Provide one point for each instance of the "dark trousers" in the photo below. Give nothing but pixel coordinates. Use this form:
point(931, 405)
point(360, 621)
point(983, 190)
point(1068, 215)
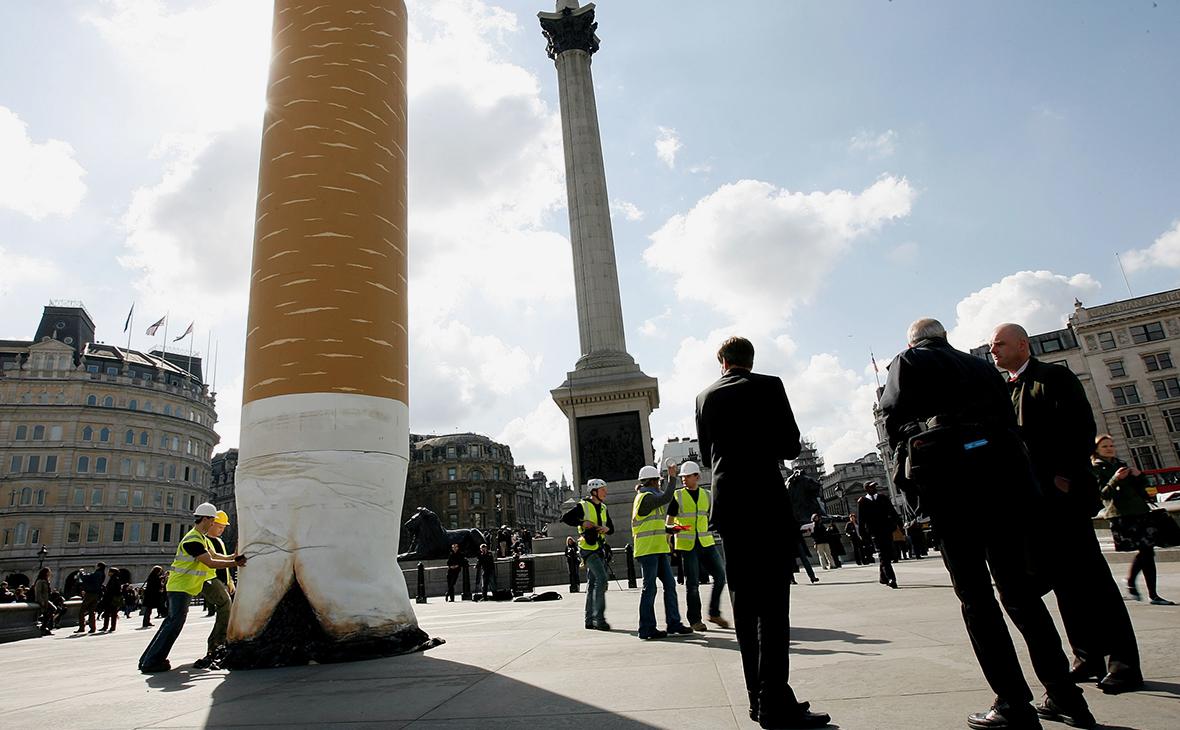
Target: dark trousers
point(884, 545)
point(452, 576)
point(971, 547)
point(1092, 609)
point(760, 591)
point(574, 581)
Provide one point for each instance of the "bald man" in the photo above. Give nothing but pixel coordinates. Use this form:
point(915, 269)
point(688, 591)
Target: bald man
point(1056, 421)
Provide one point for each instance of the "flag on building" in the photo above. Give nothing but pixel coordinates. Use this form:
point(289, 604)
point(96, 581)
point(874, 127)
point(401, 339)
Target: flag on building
point(127, 324)
point(874, 359)
point(187, 332)
point(152, 330)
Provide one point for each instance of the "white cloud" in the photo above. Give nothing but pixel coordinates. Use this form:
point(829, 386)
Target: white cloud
point(874, 145)
point(753, 251)
point(654, 326)
point(1038, 300)
point(27, 270)
point(540, 439)
point(905, 253)
point(37, 179)
point(667, 145)
point(629, 211)
point(1164, 252)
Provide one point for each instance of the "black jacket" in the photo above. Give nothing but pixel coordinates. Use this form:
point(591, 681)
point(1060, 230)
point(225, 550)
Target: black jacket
point(1054, 418)
point(876, 517)
point(745, 429)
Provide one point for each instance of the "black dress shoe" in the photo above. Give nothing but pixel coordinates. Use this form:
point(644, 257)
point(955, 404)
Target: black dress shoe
point(995, 719)
point(1075, 714)
point(803, 718)
point(1084, 672)
point(655, 634)
point(1113, 684)
point(163, 666)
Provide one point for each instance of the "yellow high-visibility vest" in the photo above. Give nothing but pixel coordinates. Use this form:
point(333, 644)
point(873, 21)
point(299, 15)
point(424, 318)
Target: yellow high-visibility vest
point(187, 574)
point(592, 514)
point(695, 514)
point(648, 536)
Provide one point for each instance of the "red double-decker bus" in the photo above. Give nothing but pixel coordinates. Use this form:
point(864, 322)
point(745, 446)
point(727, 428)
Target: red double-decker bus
point(1163, 481)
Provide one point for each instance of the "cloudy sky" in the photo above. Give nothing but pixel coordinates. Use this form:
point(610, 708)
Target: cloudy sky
point(811, 175)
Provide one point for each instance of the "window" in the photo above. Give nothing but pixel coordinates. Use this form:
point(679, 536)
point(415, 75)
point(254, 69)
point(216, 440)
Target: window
point(1106, 341)
point(137, 498)
point(192, 503)
point(496, 473)
point(125, 467)
point(453, 521)
point(1141, 333)
point(170, 500)
point(1157, 361)
point(79, 496)
point(40, 497)
point(144, 439)
point(477, 520)
point(1116, 369)
point(96, 496)
point(451, 472)
point(186, 473)
point(121, 497)
point(92, 400)
point(163, 441)
point(155, 532)
point(1125, 395)
point(1172, 418)
point(476, 475)
point(1051, 344)
point(38, 433)
point(1166, 388)
point(476, 498)
point(134, 536)
point(167, 410)
point(188, 449)
point(172, 471)
point(133, 404)
point(35, 536)
point(74, 533)
point(160, 470)
point(147, 406)
point(1146, 457)
point(55, 433)
point(34, 464)
point(14, 465)
point(141, 468)
point(51, 464)
point(20, 534)
point(129, 437)
point(83, 464)
point(112, 370)
point(92, 532)
point(158, 499)
point(167, 533)
point(87, 434)
point(100, 465)
point(117, 535)
point(104, 435)
point(176, 443)
point(450, 452)
point(1135, 425)
point(108, 402)
point(26, 496)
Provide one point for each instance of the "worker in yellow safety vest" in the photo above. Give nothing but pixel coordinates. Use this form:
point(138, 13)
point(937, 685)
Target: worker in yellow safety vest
point(649, 533)
point(217, 593)
point(194, 564)
point(594, 524)
point(689, 510)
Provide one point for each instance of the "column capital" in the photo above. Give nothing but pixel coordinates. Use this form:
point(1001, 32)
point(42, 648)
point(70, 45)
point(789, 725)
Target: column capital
point(570, 29)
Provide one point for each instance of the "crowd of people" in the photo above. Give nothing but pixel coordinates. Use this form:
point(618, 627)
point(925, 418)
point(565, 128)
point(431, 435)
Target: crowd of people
point(105, 592)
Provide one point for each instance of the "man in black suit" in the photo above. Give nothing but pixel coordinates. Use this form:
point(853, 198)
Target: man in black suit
point(949, 414)
point(1057, 423)
point(745, 428)
point(877, 519)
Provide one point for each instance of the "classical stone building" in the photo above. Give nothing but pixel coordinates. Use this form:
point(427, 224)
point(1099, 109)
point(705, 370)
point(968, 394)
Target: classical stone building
point(1122, 354)
point(845, 483)
point(466, 479)
point(221, 481)
point(682, 450)
point(809, 461)
point(104, 451)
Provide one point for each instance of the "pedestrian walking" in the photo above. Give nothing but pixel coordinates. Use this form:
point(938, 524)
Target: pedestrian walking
point(877, 518)
point(1057, 424)
point(821, 538)
point(960, 460)
point(455, 564)
point(852, 532)
point(153, 595)
point(112, 600)
point(745, 429)
point(41, 593)
point(594, 524)
point(695, 545)
point(194, 564)
point(91, 584)
point(1133, 525)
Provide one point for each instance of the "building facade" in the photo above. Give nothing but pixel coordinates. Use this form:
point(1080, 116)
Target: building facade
point(466, 479)
point(846, 482)
point(809, 461)
point(686, 449)
point(104, 451)
point(221, 482)
point(1122, 354)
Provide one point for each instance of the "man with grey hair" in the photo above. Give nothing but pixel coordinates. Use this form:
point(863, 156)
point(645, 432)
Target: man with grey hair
point(1057, 423)
point(948, 416)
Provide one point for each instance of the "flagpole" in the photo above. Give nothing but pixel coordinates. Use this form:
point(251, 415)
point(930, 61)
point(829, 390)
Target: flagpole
point(130, 326)
point(164, 349)
point(205, 362)
point(214, 390)
point(191, 337)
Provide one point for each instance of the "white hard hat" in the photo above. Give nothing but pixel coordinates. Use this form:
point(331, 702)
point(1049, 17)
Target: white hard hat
point(593, 484)
point(649, 472)
point(689, 467)
point(205, 509)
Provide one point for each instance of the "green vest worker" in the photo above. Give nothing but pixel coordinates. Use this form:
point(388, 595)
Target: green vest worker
point(694, 542)
point(194, 564)
point(594, 524)
point(649, 533)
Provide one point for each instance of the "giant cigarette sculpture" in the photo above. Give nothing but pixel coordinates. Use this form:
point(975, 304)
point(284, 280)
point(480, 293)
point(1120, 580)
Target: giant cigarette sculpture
point(325, 440)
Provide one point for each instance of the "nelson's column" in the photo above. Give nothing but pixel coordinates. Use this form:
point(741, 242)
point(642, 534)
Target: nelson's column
point(606, 397)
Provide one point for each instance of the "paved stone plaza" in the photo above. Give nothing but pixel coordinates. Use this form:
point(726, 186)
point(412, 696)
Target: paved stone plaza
point(872, 657)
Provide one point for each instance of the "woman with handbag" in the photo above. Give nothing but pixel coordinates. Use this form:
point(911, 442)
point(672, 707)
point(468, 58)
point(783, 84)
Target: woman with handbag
point(1134, 525)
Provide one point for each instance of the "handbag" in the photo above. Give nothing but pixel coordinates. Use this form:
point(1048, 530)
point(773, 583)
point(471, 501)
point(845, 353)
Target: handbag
point(1162, 529)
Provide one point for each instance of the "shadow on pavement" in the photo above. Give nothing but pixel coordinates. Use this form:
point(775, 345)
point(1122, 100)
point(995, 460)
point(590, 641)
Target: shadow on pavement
point(803, 633)
point(1162, 688)
point(392, 691)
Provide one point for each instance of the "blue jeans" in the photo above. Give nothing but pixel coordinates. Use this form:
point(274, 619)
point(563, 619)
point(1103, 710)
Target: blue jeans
point(706, 558)
point(657, 566)
point(157, 651)
point(595, 586)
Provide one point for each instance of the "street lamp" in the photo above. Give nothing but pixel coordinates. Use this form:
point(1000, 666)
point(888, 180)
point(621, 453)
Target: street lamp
point(41, 557)
point(843, 498)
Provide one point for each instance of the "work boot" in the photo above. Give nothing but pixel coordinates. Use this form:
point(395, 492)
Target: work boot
point(718, 621)
point(699, 626)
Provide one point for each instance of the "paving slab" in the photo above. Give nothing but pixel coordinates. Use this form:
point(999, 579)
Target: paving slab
point(871, 656)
